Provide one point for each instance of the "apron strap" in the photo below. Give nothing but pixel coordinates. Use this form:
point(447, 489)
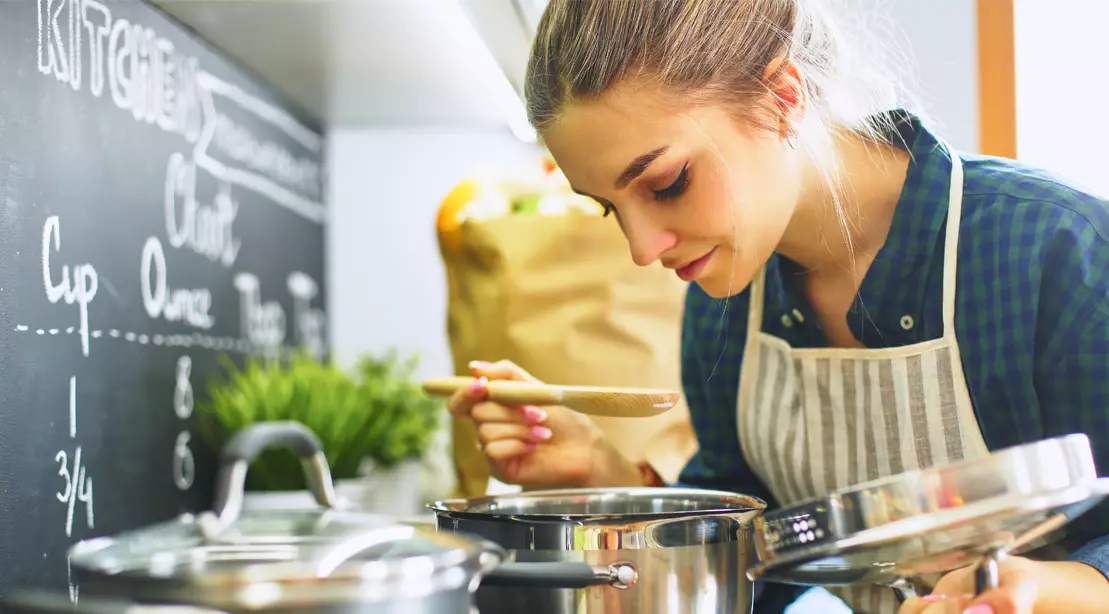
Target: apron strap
point(951, 244)
point(754, 308)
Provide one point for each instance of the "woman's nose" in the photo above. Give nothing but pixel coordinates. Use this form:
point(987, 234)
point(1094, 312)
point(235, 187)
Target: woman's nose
point(647, 240)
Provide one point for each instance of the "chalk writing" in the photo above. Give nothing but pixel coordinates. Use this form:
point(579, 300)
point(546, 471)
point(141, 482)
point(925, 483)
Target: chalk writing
point(183, 391)
point(205, 229)
point(309, 321)
point(147, 76)
point(81, 289)
point(144, 72)
point(184, 467)
point(74, 589)
point(262, 323)
point(174, 305)
point(78, 485)
point(267, 168)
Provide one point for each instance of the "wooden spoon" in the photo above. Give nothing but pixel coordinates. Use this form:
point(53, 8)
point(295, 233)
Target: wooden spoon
point(590, 400)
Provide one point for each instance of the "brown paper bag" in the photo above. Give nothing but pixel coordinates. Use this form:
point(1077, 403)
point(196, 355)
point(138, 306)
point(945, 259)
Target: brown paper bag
point(561, 297)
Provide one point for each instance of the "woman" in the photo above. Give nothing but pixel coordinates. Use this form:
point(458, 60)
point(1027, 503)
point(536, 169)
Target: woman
point(864, 300)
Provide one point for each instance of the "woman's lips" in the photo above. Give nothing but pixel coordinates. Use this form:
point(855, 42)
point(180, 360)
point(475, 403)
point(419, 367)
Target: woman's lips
point(694, 269)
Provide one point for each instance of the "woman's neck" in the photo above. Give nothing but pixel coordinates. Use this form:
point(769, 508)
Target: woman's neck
point(870, 178)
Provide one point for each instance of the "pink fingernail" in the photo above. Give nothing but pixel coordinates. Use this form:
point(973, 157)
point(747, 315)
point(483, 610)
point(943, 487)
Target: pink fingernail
point(534, 414)
point(979, 608)
point(478, 387)
point(932, 598)
point(479, 364)
point(532, 445)
point(541, 432)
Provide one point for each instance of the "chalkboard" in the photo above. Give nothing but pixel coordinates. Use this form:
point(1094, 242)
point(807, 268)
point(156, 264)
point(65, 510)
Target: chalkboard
point(158, 207)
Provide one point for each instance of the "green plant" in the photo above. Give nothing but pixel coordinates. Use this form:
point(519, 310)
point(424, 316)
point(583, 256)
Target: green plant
point(375, 412)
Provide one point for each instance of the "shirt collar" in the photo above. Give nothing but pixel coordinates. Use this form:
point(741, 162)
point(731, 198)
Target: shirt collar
point(916, 233)
point(921, 213)
point(886, 296)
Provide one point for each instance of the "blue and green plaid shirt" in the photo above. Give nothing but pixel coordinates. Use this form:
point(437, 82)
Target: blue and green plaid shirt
point(1031, 319)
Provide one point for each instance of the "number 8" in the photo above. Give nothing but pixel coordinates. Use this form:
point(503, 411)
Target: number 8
point(183, 392)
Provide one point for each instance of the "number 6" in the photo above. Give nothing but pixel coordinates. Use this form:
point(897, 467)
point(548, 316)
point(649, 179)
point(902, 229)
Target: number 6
point(183, 469)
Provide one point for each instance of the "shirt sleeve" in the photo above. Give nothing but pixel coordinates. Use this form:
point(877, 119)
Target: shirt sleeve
point(1072, 365)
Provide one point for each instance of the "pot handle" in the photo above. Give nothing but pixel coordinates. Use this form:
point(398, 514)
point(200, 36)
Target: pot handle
point(561, 575)
point(240, 452)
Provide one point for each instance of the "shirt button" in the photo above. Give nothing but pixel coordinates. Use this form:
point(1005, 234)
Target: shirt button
point(907, 322)
point(797, 315)
point(787, 321)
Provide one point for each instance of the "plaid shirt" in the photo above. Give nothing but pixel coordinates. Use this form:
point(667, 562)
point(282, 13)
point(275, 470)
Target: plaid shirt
point(1031, 319)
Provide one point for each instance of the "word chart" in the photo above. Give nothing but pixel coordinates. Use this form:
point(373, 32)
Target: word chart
point(159, 208)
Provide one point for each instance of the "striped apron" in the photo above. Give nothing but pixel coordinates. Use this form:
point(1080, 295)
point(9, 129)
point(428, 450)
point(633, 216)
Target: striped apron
point(812, 420)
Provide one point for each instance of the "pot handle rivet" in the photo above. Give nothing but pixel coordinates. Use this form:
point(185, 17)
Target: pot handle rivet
point(624, 575)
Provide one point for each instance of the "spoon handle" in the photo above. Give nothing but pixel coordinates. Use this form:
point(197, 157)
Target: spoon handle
point(502, 391)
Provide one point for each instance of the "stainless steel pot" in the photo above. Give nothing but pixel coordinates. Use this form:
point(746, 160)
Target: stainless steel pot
point(305, 560)
point(690, 548)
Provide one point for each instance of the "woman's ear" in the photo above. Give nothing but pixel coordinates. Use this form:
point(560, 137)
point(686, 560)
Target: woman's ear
point(786, 83)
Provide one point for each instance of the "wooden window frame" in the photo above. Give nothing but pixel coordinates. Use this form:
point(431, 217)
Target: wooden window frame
point(997, 109)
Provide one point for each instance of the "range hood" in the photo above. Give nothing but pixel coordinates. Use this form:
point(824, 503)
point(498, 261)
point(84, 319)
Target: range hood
point(380, 62)
point(507, 27)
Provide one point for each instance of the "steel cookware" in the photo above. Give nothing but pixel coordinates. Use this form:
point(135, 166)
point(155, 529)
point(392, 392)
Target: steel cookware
point(689, 548)
point(39, 601)
point(309, 560)
point(898, 530)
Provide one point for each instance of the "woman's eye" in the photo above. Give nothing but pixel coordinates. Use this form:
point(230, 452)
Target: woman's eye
point(675, 189)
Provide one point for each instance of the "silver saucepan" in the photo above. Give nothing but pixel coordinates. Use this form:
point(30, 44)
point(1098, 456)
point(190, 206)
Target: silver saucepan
point(691, 549)
point(325, 559)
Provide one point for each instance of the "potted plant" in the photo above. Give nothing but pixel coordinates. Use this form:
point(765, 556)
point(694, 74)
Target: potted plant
point(374, 422)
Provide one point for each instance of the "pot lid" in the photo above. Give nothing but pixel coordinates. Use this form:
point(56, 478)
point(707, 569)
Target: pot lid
point(586, 504)
point(264, 558)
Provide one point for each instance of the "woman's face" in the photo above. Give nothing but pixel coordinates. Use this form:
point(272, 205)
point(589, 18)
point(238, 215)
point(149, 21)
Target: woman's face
point(706, 194)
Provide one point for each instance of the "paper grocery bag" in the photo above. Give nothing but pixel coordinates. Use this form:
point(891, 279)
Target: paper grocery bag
point(561, 297)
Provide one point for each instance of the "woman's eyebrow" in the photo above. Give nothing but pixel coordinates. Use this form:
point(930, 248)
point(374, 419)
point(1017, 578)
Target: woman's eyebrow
point(639, 165)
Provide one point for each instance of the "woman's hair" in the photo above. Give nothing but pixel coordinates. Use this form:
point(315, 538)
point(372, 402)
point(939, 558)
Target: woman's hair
point(709, 51)
point(716, 52)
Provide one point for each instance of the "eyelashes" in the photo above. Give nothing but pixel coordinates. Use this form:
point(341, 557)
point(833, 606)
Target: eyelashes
point(670, 192)
point(675, 189)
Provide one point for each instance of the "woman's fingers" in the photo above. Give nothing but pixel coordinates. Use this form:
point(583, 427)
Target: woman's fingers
point(498, 431)
point(495, 412)
point(502, 369)
point(505, 449)
point(463, 400)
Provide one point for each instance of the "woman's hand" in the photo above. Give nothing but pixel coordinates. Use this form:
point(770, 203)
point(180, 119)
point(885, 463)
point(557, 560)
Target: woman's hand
point(539, 447)
point(1024, 587)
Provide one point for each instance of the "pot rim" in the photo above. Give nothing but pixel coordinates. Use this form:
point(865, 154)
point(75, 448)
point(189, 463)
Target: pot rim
point(463, 507)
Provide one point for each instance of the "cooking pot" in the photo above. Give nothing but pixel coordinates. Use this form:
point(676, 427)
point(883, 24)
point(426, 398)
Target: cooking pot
point(326, 559)
point(42, 601)
point(691, 548)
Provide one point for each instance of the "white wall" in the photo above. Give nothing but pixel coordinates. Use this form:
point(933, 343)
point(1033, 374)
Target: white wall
point(1061, 88)
point(940, 43)
point(386, 282)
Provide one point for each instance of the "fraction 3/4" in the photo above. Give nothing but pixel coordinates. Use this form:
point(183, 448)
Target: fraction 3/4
point(78, 485)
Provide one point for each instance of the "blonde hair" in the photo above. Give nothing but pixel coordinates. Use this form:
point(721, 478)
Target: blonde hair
point(717, 52)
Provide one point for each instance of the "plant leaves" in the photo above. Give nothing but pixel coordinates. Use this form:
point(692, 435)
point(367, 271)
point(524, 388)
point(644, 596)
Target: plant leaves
point(375, 411)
